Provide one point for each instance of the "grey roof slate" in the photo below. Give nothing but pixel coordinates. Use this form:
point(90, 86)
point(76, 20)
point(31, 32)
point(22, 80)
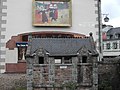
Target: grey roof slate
point(62, 46)
point(112, 31)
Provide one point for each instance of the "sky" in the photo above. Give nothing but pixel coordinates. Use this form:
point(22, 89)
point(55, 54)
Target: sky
point(112, 8)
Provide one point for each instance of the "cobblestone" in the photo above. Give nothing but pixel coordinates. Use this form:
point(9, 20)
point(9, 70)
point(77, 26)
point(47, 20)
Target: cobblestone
point(12, 81)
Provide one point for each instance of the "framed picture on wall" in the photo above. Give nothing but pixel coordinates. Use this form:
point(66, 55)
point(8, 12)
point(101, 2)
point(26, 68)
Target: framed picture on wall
point(52, 13)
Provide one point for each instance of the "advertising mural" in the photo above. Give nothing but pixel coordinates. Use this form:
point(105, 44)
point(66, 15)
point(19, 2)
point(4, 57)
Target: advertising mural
point(51, 13)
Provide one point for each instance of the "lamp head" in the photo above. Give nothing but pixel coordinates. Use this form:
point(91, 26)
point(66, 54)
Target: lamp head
point(106, 19)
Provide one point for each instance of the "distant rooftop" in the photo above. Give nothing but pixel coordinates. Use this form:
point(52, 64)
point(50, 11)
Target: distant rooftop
point(113, 31)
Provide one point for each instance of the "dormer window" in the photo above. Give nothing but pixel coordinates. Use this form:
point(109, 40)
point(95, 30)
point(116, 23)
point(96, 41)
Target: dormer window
point(41, 60)
point(84, 59)
point(108, 37)
point(111, 36)
point(116, 36)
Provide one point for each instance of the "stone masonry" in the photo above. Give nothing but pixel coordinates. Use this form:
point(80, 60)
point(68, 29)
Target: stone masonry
point(108, 72)
point(12, 81)
point(47, 70)
point(3, 14)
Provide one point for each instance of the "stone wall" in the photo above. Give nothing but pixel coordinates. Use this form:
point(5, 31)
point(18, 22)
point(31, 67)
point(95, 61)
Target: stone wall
point(63, 75)
point(108, 71)
point(109, 74)
point(13, 82)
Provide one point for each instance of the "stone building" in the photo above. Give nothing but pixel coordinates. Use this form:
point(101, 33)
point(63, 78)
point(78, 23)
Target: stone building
point(56, 63)
point(17, 46)
point(15, 19)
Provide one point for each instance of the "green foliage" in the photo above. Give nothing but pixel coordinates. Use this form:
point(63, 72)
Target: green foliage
point(70, 85)
point(106, 82)
point(105, 85)
point(20, 88)
point(20, 85)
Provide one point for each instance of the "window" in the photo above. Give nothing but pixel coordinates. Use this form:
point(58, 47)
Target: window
point(103, 46)
point(119, 44)
point(58, 60)
point(108, 46)
point(41, 60)
point(118, 35)
point(108, 37)
point(67, 60)
point(84, 59)
point(111, 36)
point(115, 45)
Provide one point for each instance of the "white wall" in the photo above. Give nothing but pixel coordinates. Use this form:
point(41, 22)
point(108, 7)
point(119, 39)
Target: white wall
point(11, 56)
point(19, 18)
point(111, 51)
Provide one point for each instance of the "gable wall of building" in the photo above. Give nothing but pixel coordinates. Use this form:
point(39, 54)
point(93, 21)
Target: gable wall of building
point(19, 19)
point(3, 15)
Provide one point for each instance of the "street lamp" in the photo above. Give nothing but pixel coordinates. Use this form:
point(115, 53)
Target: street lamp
point(106, 19)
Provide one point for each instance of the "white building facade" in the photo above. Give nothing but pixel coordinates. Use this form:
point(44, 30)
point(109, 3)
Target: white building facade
point(111, 44)
point(111, 48)
point(19, 20)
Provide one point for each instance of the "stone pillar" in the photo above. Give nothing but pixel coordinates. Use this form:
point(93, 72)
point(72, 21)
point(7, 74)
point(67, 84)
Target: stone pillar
point(51, 71)
point(29, 73)
point(95, 74)
point(3, 13)
point(74, 68)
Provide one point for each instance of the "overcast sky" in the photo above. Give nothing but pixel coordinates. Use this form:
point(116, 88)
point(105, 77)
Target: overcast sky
point(111, 7)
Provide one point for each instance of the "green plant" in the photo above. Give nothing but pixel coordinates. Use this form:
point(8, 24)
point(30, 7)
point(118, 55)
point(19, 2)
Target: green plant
point(70, 85)
point(105, 83)
point(20, 88)
point(20, 85)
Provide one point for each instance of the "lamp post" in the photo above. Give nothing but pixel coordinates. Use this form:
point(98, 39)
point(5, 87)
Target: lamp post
point(106, 19)
point(99, 31)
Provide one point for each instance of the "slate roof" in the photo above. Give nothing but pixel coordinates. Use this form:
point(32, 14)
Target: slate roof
point(113, 31)
point(62, 46)
point(113, 34)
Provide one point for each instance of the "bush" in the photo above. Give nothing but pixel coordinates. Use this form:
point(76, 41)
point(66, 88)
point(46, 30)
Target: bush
point(20, 88)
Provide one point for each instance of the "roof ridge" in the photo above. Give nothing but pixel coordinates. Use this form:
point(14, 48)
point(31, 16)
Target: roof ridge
point(64, 37)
